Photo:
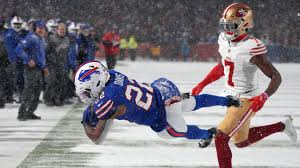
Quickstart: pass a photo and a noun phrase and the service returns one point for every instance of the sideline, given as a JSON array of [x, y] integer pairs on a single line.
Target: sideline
[[19, 138], [55, 149]]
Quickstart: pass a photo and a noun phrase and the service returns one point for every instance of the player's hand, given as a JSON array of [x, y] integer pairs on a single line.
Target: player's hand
[[203, 143], [233, 101], [46, 72], [185, 95], [73, 76], [31, 63], [197, 89], [258, 102]]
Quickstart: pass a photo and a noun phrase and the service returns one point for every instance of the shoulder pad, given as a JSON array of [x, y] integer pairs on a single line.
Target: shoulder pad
[[257, 47]]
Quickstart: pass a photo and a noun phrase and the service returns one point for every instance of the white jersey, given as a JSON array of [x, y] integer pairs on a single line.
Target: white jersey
[[240, 74]]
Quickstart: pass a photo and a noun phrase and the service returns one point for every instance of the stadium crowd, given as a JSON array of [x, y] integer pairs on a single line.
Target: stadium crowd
[[41, 54]]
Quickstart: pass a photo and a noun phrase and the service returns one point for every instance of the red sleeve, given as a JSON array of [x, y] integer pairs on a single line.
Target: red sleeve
[[216, 73]]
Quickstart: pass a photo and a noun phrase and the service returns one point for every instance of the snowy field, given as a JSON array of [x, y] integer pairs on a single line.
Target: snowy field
[[58, 140]]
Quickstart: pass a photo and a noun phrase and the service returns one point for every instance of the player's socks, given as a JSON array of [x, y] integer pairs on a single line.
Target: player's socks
[[194, 132], [258, 133], [206, 100], [223, 150]]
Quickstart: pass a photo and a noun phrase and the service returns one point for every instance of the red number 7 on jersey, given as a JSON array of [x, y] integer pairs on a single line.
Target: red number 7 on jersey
[[231, 68]]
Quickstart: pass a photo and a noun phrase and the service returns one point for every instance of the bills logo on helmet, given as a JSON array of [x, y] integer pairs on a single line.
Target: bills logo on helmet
[[85, 75]]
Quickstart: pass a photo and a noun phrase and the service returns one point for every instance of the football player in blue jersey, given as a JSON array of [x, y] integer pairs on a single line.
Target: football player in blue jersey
[[158, 105]]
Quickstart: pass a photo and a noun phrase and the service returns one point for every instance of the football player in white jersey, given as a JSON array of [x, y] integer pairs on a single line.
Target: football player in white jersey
[[241, 56]]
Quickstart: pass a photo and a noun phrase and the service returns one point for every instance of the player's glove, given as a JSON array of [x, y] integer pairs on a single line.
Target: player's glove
[[203, 143], [258, 102], [185, 95], [197, 89], [89, 117], [233, 101]]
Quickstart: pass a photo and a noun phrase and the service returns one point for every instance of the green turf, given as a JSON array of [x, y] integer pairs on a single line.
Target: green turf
[[55, 149]]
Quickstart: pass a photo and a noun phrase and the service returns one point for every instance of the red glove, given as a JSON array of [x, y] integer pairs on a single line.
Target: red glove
[[215, 74], [258, 102]]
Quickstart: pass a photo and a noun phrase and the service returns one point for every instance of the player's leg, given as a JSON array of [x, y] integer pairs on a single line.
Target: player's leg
[[50, 92], [234, 119], [206, 100], [177, 127], [36, 85], [258, 133]]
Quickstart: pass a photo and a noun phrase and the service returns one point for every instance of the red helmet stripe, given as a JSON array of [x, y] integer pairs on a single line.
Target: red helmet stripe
[[88, 73]]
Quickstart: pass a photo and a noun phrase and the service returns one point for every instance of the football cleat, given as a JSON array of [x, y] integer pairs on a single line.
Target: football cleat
[[289, 129], [203, 143]]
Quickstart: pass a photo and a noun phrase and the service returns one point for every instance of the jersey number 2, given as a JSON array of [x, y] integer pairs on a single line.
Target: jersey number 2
[[231, 68], [139, 93]]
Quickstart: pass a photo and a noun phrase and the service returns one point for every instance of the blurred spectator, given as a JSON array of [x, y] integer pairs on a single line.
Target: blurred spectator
[[123, 47], [155, 51], [3, 64], [57, 61], [132, 46], [69, 88], [30, 24], [111, 42], [185, 49], [86, 45], [166, 21], [32, 51], [15, 69]]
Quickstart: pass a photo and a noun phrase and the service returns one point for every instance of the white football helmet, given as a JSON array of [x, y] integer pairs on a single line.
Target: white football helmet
[[51, 25], [73, 27], [17, 23], [90, 80]]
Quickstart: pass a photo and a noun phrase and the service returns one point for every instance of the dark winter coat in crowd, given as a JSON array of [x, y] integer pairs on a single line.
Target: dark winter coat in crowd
[[3, 69], [12, 38], [86, 49], [32, 47], [57, 61], [73, 51], [15, 69], [57, 51]]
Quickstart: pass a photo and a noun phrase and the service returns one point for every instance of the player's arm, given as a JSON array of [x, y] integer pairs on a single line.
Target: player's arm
[[98, 118], [191, 103], [216, 73], [97, 134], [269, 70]]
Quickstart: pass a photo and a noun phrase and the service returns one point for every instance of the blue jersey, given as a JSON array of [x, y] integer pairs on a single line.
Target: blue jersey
[[143, 103]]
